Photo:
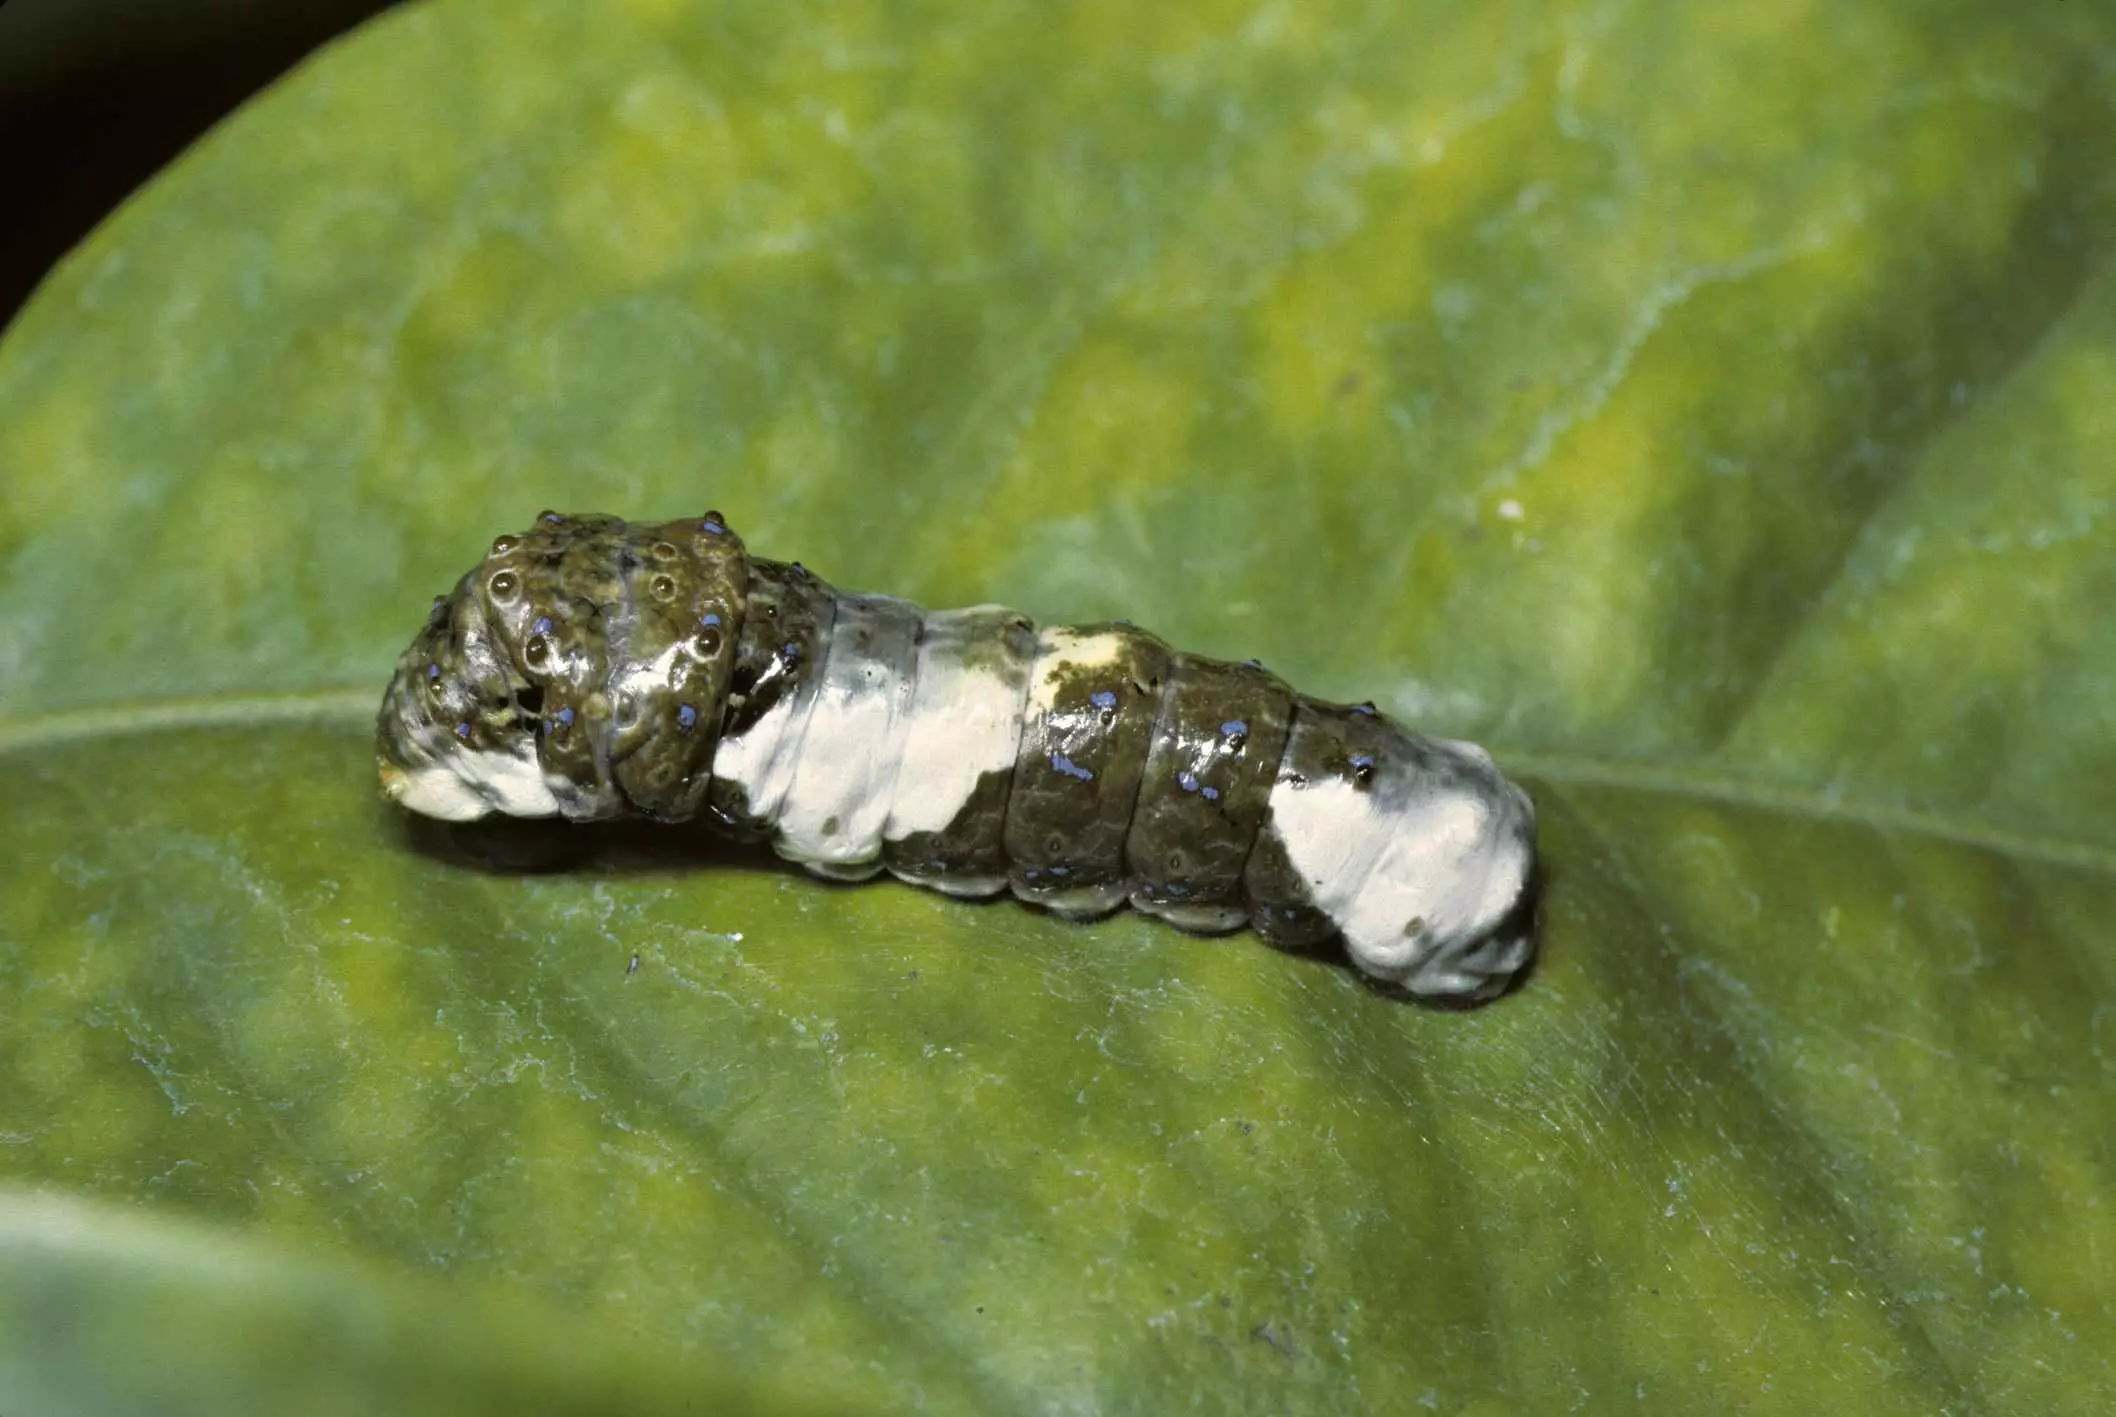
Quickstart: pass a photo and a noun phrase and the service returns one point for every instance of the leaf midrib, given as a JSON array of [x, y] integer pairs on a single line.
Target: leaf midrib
[[1692, 782]]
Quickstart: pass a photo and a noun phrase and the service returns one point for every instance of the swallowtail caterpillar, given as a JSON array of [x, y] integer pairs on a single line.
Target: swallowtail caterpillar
[[593, 668]]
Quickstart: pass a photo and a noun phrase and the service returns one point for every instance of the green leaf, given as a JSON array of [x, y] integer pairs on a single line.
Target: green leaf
[[1712, 408], [105, 1310]]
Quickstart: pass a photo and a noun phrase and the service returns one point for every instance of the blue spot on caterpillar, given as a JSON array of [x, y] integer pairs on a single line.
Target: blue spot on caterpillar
[[1061, 763]]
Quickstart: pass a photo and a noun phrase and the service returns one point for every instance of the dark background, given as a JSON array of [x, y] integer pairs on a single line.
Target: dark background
[[96, 96]]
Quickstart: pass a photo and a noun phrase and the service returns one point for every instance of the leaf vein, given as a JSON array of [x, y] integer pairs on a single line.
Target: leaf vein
[[338, 707]]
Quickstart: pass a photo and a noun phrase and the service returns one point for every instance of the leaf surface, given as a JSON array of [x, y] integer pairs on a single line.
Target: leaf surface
[[1711, 409]]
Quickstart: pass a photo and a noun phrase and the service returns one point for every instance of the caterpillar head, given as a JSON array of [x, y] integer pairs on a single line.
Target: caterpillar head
[[579, 671]]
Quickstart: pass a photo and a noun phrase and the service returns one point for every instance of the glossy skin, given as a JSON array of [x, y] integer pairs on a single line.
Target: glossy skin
[[591, 668]]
